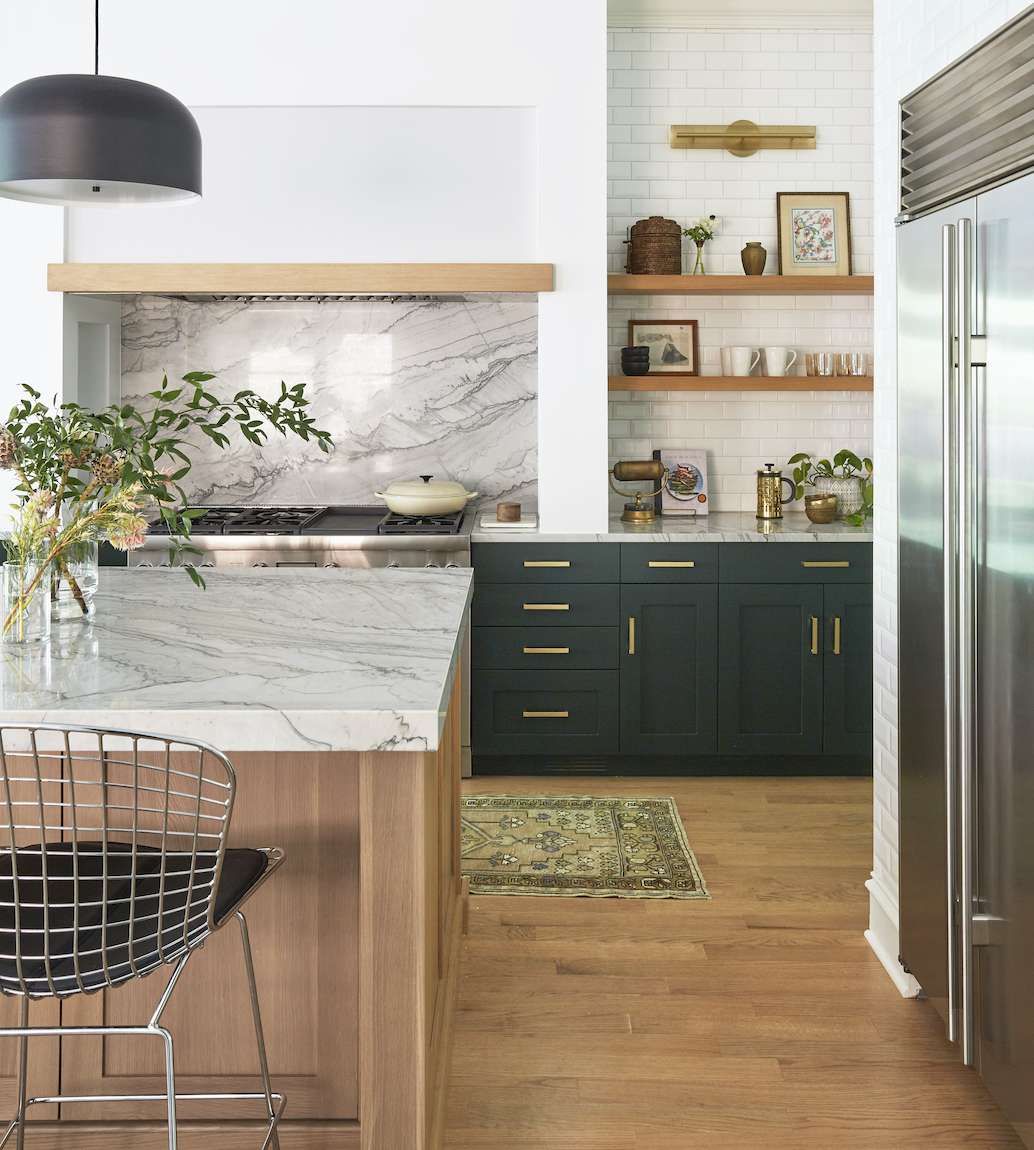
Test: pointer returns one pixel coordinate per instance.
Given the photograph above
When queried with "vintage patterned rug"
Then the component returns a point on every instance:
(614, 847)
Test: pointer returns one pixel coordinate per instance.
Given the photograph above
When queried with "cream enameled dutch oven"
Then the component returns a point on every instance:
(425, 496)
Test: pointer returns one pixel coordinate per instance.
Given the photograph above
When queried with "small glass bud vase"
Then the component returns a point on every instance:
(698, 267)
(73, 583)
(25, 603)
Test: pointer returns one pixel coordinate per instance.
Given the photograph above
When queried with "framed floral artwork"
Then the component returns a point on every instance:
(814, 233)
(673, 344)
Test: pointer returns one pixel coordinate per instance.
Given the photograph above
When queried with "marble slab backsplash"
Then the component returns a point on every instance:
(406, 388)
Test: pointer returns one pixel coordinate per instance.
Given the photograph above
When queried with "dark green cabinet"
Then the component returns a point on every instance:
(668, 690)
(672, 657)
(847, 669)
(770, 669)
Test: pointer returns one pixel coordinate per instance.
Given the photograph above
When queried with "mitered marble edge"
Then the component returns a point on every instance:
(236, 727)
(718, 527)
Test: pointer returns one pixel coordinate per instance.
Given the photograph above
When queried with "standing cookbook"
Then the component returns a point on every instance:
(685, 488)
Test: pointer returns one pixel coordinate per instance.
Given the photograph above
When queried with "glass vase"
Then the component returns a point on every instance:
(25, 604)
(698, 267)
(73, 583)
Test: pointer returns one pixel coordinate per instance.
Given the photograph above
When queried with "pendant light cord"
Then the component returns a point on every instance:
(96, 37)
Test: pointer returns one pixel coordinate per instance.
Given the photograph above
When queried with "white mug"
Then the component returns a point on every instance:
(726, 368)
(779, 360)
(743, 360)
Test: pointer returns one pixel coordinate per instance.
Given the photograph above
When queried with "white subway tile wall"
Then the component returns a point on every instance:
(913, 42)
(662, 77)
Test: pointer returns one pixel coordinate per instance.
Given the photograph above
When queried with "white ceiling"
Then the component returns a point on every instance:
(782, 15)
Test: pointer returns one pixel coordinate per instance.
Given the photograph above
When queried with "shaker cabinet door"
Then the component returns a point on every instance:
(847, 710)
(668, 689)
(770, 669)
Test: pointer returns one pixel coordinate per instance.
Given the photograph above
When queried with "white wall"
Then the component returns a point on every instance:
(713, 74)
(910, 44)
(416, 54)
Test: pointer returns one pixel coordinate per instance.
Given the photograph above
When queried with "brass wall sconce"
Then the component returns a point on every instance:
(742, 137)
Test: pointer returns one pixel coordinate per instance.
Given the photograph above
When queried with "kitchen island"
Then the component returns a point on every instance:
(335, 693)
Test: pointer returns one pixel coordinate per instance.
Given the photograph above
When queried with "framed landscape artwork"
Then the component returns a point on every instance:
(672, 344)
(814, 233)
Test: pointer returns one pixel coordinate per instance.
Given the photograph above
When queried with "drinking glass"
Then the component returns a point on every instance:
(825, 363)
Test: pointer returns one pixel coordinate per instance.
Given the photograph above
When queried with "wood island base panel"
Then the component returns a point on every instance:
(356, 952)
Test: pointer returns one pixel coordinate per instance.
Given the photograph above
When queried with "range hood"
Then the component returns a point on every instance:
(300, 281)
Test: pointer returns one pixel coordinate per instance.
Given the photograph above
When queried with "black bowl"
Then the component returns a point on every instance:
(630, 367)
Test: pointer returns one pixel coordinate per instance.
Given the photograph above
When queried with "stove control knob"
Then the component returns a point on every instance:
(393, 563)
(165, 563)
(208, 563)
(144, 564)
(330, 565)
(451, 566)
(431, 563)
(260, 564)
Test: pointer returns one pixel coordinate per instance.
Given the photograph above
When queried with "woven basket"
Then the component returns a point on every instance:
(654, 247)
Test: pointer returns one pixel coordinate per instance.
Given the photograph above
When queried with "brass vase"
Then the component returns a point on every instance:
(753, 258)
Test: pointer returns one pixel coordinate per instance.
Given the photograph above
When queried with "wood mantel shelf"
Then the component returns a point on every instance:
(297, 279)
(739, 383)
(739, 285)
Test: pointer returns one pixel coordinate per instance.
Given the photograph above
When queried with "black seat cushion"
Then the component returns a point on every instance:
(106, 954)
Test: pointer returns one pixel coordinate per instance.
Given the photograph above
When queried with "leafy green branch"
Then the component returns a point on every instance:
(88, 464)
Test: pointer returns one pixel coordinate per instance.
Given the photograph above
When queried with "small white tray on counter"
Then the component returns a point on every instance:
(488, 522)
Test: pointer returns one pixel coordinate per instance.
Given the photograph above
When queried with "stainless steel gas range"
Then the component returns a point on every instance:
(310, 536)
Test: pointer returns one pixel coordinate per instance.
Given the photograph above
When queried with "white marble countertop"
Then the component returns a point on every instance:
(263, 660)
(718, 527)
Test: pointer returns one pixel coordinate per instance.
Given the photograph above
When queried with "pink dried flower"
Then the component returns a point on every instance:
(128, 542)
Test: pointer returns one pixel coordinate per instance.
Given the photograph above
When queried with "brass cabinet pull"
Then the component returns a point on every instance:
(631, 634)
(814, 634)
(546, 714)
(547, 562)
(836, 634)
(670, 563)
(547, 650)
(547, 606)
(825, 563)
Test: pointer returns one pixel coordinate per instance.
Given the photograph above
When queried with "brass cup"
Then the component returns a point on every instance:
(820, 508)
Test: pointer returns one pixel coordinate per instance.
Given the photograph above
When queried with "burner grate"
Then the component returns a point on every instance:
(395, 524)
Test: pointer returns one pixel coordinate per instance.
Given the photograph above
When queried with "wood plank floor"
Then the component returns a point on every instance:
(758, 1019)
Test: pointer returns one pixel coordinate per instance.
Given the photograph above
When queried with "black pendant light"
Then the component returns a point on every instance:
(77, 139)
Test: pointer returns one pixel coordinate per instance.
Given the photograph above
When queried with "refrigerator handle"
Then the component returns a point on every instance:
(951, 647)
(966, 700)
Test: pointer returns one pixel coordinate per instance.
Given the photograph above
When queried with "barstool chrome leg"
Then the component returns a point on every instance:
(272, 1138)
(170, 1085)
(23, 1074)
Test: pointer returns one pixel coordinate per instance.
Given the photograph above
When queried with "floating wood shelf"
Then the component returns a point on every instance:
(739, 383)
(739, 285)
(298, 279)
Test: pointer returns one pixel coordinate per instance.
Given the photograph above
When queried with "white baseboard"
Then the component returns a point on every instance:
(882, 937)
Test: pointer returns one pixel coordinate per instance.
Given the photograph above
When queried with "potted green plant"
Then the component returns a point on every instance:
(86, 475)
(706, 228)
(847, 476)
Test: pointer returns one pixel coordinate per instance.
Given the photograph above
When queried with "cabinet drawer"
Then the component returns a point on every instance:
(545, 562)
(544, 712)
(517, 605)
(795, 563)
(669, 562)
(545, 648)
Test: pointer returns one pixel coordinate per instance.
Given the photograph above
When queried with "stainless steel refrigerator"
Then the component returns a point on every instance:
(966, 626)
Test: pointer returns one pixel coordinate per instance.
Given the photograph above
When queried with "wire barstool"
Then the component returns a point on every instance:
(113, 863)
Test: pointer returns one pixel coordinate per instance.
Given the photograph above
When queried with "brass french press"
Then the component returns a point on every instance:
(770, 492)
